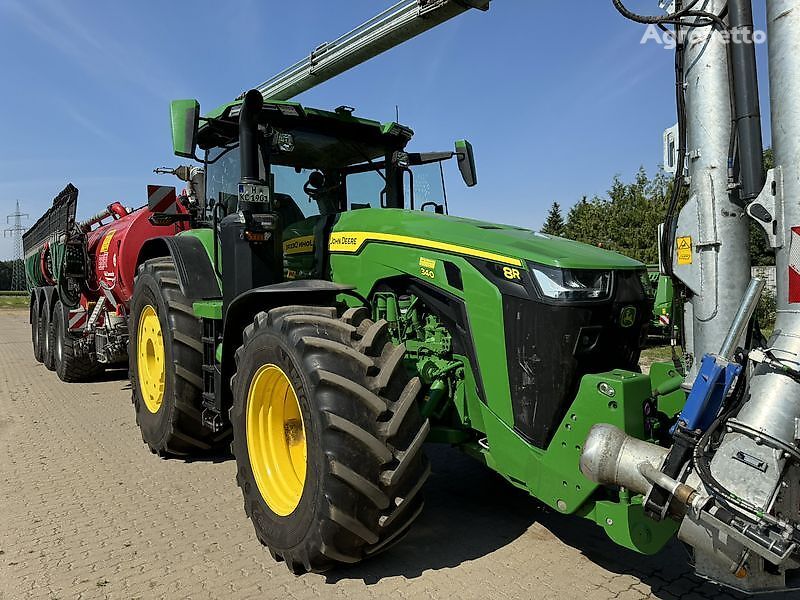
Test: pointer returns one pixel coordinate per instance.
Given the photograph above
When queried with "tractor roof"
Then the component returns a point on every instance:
(220, 126)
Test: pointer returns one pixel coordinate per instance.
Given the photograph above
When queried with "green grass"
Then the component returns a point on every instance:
(13, 300)
(657, 353)
(654, 354)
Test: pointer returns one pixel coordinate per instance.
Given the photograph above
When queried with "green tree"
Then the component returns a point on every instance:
(760, 252)
(761, 255)
(6, 270)
(637, 208)
(627, 220)
(554, 224)
(769, 160)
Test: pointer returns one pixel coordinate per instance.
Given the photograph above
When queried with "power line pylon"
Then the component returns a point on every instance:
(16, 230)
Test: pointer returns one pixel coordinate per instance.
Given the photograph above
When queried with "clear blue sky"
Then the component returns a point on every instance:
(556, 101)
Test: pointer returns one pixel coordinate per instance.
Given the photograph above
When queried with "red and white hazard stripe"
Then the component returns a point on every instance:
(77, 319)
(794, 266)
(160, 197)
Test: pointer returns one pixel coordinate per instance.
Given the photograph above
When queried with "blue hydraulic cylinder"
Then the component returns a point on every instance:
(712, 385)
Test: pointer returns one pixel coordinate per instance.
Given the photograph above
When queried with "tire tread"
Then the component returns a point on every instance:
(372, 432)
(186, 435)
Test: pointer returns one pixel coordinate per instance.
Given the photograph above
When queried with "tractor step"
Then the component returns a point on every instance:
(212, 413)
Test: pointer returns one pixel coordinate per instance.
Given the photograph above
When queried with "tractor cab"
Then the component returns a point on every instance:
(317, 164)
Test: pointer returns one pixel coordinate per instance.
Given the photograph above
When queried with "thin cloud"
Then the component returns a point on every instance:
(96, 53)
(77, 178)
(90, 126)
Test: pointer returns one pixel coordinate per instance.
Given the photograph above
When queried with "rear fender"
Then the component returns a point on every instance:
(196, 276)
(244, 308)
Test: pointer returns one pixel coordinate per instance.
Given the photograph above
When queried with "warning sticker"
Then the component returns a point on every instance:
(107, 241)
(684, 245)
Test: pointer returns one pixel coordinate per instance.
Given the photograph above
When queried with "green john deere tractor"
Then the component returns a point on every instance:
(327, 313)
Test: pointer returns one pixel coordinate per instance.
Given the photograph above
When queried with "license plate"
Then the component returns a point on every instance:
(254, 192)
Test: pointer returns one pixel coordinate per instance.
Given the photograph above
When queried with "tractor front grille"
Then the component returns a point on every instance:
(551, 346)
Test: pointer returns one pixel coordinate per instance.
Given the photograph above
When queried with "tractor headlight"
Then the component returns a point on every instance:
(572, 284)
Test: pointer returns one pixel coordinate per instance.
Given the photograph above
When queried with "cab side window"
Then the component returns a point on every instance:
(222, 175)
(365, 190)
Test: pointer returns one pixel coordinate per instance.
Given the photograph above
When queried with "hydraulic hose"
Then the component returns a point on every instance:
(747, 109)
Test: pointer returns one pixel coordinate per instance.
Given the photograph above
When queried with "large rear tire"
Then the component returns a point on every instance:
(48, 355)
(37, 329)
(71, 365)
(327, 436)
(165, 365)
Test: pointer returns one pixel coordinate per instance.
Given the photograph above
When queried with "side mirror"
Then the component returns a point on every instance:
(466, 162)
(185, 117)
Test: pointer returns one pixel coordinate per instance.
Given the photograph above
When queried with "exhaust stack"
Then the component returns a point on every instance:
(248, 135)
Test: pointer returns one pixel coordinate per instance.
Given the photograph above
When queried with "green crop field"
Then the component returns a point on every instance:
(13, 299)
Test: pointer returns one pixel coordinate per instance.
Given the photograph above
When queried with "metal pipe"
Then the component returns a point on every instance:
(394, 26)
(611, 457)
(712, 233)
(747, 106)
(774, 400)
(681, 492)
(742, 318)
(248, 136)
(112, 209)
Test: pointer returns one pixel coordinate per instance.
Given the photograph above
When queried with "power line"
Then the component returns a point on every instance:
(16, 230)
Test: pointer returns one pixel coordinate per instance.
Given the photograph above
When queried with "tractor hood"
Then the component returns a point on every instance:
(500, 243)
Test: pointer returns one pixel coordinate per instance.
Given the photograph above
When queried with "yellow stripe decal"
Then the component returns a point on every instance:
(353, 241)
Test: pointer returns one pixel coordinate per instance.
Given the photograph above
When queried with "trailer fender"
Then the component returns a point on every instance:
(244, 308)
(36, 299)
(196, 276)
(45, 297)
(49, 295)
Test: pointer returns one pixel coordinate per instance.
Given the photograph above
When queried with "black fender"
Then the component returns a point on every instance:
(37, 298)
(33, 297)
(49, 298)
(196, 276)
(243, 309)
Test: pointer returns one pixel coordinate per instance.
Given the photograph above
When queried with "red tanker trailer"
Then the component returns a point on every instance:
(80, 276)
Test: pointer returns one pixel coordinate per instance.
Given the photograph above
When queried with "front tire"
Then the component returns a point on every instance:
(338, 388)
(165, 365)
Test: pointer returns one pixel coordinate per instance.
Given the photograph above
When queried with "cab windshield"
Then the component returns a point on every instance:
(329, 187)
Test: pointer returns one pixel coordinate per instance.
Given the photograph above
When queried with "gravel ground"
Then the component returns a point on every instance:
(87, 512)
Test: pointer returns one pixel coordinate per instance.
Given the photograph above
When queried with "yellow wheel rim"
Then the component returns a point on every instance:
(276, 439)
(150, 359)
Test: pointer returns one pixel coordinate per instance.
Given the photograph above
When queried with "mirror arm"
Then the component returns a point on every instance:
(415, 158)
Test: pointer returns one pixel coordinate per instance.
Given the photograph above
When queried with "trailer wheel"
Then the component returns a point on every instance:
(37, 329)
(71, 365)
(165, 365)
(48, 356)
(327, 436)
